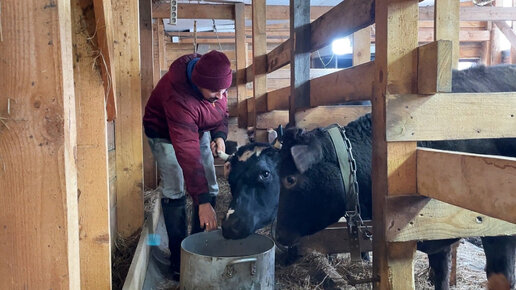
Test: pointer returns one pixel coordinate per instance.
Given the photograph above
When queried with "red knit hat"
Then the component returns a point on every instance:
(212, 71)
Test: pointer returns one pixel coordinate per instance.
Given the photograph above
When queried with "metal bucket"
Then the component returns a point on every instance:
(208, 261)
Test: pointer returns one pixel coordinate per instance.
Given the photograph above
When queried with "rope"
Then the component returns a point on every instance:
(215, 30)
(322, 62)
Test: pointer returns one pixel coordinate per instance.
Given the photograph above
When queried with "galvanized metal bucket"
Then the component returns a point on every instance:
(208, 261)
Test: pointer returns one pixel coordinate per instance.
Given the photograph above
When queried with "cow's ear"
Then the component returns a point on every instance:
(304, 157)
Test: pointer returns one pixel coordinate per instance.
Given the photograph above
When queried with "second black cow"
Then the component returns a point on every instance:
(314, 197)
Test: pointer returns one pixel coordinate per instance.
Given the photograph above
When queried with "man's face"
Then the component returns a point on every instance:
(212, 96)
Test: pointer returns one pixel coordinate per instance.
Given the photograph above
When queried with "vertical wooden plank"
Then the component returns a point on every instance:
(104, 33)
(92, 158)
(241, 63)
(39, 232)
(362, 46)
(496, 34)
(446, 17)
(393, 163)
(259, 62)
(128, 130)
(300, 57)
(149, 165)
(156, 69)
(162, 52)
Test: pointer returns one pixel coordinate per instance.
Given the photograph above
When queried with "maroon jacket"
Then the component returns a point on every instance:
(178, 112)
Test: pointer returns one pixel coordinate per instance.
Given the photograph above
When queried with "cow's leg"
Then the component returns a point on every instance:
(500, 256)
(439, 264)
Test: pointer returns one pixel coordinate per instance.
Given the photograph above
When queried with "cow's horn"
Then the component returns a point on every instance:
(223, 155)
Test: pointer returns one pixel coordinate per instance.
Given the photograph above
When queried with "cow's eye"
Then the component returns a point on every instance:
(289, 181)
(264, 175)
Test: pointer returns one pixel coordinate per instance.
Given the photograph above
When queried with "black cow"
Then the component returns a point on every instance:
(312, 200)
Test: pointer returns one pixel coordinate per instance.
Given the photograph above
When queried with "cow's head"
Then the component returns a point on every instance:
(254, 181)
(312, 194)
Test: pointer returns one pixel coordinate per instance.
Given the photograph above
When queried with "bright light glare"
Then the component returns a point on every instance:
(341, 46)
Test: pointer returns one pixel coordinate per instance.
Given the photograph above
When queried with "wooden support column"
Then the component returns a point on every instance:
(496, 34)
(259, 62)
(92, 151)
(156, 69)
(150, 179)
(447, 25)
(128, 131)
(241, 64)
(300, 57)
(39, 232)
(104, 34)
(162, 51)
(394, 170)
(362, 46)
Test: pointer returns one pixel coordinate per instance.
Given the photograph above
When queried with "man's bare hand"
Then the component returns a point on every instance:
(207, 217)
(217, 145)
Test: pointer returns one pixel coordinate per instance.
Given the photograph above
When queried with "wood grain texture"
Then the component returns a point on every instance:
(434, 68)
(129, 151)
(413, 218)
(396, 71)
(104, 35)
(39, 235)
(447, 26)
(485, 184)
(92, 154)
(241, 63)
(486, 13)
(150, 178)
(362, 46)
(451, 116)
(258, 101)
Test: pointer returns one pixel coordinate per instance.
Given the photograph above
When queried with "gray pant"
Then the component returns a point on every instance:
(171, 174)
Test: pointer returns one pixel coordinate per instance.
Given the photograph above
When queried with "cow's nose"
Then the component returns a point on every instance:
(232, 229)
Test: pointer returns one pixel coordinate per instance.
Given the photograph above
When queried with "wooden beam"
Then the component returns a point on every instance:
(452, 115)
(414, 218)
(350, 84)
(486, 184)
(434, 69)
(487, 13)
(300, 58)
(129, 151)
(507, 31)
(258, 101)
(279, 56)
(464, 35)
(393, 163)
(447, 26)
(241, 64)
(104, 33)
(314, 117)
(342, 20)
(162, 52)
(150, 177)
(194, 11)
(39, 232)
(92, 157)
(362, 46)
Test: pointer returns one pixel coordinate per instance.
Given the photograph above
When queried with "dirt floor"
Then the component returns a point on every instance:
(318, 271)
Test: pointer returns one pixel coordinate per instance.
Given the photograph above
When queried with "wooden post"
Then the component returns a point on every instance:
(39, 232)
(162, 52)
(447, 26)
(362, 46)
(104, 33)
(496, 51)
(300, 57)
(128, 131)
(156, 68)
(150, 180)
(259, 62)
(92, 152)
(241, 64)
(394, 170)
